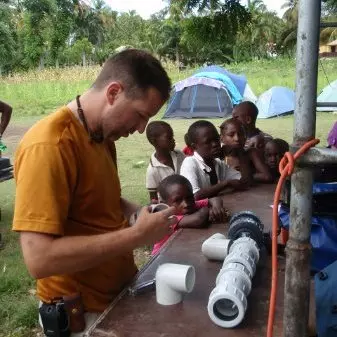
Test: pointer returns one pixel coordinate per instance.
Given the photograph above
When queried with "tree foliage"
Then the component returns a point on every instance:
(38, 33)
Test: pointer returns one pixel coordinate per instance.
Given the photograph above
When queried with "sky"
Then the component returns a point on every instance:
(147, 7)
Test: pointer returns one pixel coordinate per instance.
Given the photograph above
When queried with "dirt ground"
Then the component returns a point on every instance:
(13, 135)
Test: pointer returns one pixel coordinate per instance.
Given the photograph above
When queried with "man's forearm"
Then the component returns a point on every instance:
(46, 255)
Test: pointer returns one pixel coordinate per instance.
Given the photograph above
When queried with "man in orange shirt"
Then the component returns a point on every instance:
(72, 220)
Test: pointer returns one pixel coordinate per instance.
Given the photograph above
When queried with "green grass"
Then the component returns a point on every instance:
(32, 96)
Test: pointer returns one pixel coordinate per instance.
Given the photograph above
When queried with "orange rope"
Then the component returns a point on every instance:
(286, 168)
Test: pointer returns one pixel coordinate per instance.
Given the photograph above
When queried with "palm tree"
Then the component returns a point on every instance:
(291, 13)
(262, 28)
(290, 18)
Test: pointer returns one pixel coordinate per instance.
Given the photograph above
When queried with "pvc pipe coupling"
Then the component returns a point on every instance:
(173, 281)
(227, 302)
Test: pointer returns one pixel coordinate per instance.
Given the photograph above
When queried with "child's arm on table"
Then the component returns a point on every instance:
(199, 219)
(212, 191)
(217, 211)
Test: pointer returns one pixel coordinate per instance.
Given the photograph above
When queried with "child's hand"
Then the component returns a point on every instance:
(203, 214)
(238, 184)
(256, 142)
(217, 212)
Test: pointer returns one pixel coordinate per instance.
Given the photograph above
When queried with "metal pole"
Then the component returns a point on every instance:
(297, 278)
(318, 156)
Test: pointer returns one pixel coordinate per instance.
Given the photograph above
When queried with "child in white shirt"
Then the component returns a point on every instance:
(207, 174)
(165, 161)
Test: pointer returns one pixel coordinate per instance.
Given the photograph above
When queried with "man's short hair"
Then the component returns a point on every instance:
(174, 179)
(250, 109)
(192, 132)
(155, 129)
(137, 70)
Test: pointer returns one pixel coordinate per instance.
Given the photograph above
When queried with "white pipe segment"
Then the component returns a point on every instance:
(239, 273)
(248, 245)
(215, 247)
(158, 207)
(172, 281)
(243, 257)
(227, 305)
(227, 302)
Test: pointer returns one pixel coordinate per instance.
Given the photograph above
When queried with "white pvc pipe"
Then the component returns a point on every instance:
(238, 273)
(172, 281)
(227, 302)
(248, 245)
(215, 247)
(158, 207)
(227, 305)
(242, 257)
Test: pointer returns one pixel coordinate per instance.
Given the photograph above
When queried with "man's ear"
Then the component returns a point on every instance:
(113, 90)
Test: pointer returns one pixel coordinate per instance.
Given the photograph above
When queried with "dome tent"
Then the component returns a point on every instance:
(328, 94)
(275, 102)
(210, 93)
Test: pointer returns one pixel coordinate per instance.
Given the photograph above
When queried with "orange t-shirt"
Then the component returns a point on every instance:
(67, 186)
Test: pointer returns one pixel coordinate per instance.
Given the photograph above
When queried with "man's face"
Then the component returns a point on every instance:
(125, 115)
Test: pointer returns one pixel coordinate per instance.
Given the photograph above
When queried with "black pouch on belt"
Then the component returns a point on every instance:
(74, 307)
(54, 320)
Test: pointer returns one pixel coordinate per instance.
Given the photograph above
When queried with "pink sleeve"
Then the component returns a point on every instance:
(179, 217)
(158, 245)
(201, 203)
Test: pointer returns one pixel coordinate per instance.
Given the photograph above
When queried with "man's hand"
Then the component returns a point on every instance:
(152, 227)
(217, 212)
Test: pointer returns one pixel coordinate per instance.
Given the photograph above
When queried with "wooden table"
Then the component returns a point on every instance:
(141, 316)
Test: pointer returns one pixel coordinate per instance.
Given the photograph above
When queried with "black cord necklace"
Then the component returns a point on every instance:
(96, 137)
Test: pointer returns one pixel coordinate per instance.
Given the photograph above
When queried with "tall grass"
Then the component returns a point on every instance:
(38, 92)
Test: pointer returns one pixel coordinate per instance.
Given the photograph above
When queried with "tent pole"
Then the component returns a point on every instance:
(195, 89)
(217, 97)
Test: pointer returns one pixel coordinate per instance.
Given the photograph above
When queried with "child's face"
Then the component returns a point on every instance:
(233, 136)
(181, 197)
(207, 143)
(166, 140)
(242, 115)
(272, 155)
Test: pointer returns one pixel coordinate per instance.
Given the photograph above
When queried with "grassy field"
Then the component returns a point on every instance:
(36, 94)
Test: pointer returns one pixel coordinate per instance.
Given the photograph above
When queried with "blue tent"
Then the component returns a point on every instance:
(328, 94)
(210, 93)
(275, 102)
(240, 81)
